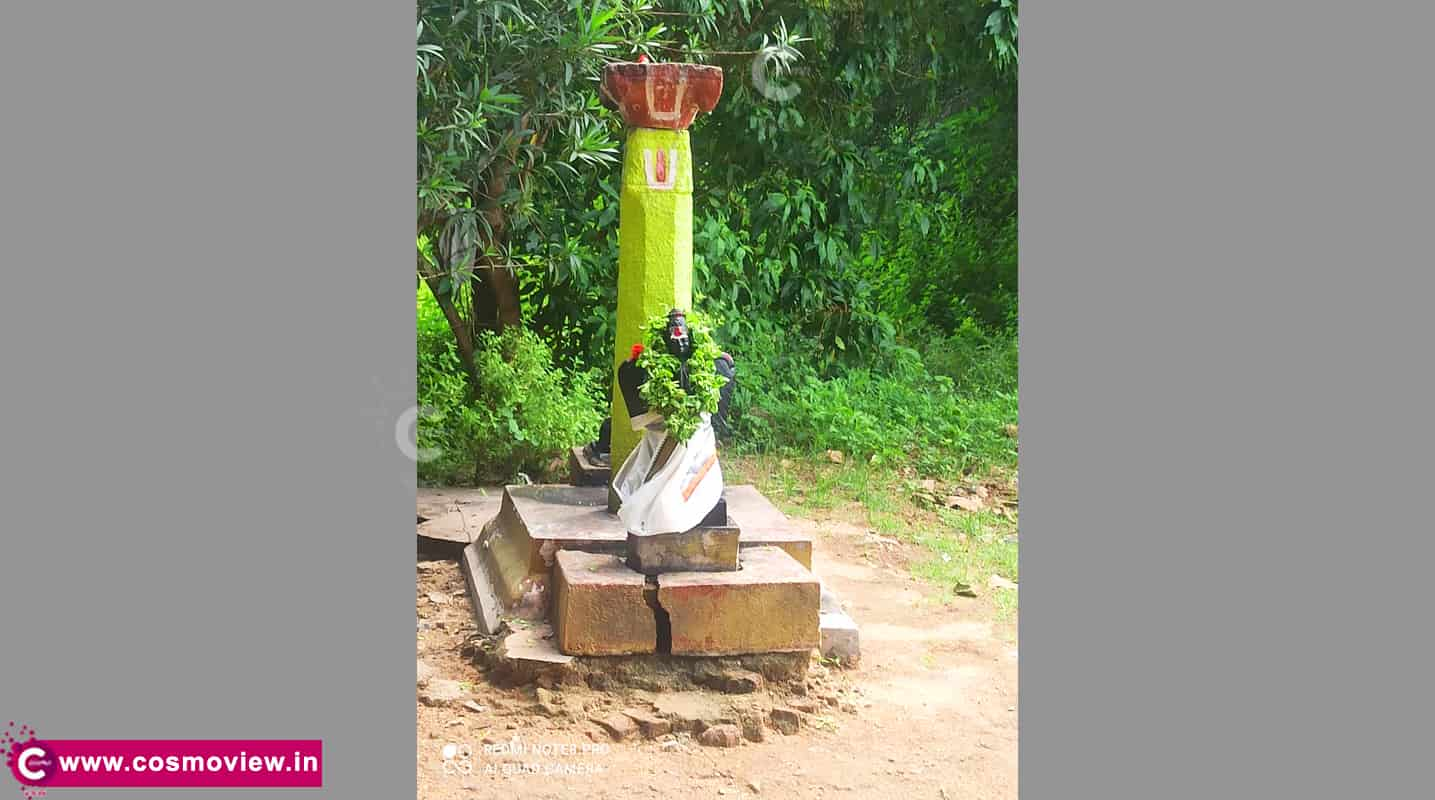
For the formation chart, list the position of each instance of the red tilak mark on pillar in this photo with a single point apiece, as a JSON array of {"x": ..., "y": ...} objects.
[{"x": 661, "y": 173}]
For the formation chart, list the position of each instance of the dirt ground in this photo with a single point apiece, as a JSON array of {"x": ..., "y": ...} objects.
[{"x": 930, "y": 711}]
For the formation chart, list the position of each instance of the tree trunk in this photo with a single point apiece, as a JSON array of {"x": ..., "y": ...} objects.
[
  {"x": 505, "y": 292},
  {"x": 500, "y": 278},
  {"x": 456, "y": 324}
]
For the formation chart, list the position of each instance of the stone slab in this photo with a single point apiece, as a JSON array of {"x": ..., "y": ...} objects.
[
  {"x": 697, "y": 550},
  {"x": 840, "y": 638},
  {"x": 839, "y": 634},
  {"x": 480, "y": 588},
  {"x": 478, "y": 504},
  {"x": 692, "y": 712},
  {"x": 534, "y": 645},
  {"x": 651, "y": 725},
  {"x": 771, "y": 604},
  {"x": 455, "y": 516},
  {"x": 583, "y": 472},
  {"x": 533, "y": 523},
  {"x": 763, "y": 525},
  {"x": 599, "y": 608},
  {"x": 450, "y": 526}
]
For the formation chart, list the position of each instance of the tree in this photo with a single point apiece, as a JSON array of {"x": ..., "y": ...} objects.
[
  {"x": 516, "y": 156},
  {"x": 507, "y": 110}
]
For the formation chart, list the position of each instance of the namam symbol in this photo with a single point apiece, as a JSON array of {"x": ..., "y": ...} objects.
[
  {"x": 660, "y": 168},
  {"x": 676, "y": 111}
]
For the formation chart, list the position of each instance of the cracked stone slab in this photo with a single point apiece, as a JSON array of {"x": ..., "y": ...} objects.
[
  {"x": 771, "y": 604},
  {"x": 534, "y": 645}
]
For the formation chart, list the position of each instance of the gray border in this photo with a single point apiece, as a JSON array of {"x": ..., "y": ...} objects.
[
  {"x": 1225, "y": 399},
  {"x": 207, "y": 325}
]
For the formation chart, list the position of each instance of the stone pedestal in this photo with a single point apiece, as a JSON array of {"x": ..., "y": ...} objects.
[{"x": 512, "y": 560}]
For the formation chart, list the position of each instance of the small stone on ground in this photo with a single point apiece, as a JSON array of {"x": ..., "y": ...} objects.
[
  {"x": 651, "y": 726},
  {"x": 720, "y": 736},
  {"x": 786, "y": 720},
  {"x": 806, "y": 705},
  {"x": 440, "y": 692},
  {"x": 618, "y": 726},
  {"x": 737, "y": 681},
  {"x": 752, "y": 727}
]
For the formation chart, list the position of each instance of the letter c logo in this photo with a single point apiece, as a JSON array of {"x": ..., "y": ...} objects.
[{"x": 22, "y": 763}]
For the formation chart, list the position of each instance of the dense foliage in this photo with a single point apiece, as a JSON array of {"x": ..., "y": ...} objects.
[
  {"x": 521, "y": 413},
  {"x": 681, "y": 409},
  {"x": 854, "y": 215}
]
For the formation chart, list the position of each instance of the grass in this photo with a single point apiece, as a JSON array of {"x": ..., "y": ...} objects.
[
  {"x": 953, "y": 548},
  {"x": 969, "y": 549}
]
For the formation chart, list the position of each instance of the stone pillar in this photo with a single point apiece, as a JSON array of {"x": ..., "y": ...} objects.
[
  {"x": 655, "y": 213},
  {"x": 655, "y": 249}
]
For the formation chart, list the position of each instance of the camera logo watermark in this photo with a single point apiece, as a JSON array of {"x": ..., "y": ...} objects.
[
  {"x": 406, "y": 432},
  {"x": 514, "y": 756},
  {"x": 457, "y": 759},
  {"x": 772, "y": 54},
  {"x": 775, "y": 59}
]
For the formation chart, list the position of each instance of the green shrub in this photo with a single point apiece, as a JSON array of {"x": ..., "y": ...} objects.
[
  {"x": 523, "y": 412},
  {"x": 977, "y": 361},
  {"x": 893, "y": 409},
  {"x": 945, "y": 251}
]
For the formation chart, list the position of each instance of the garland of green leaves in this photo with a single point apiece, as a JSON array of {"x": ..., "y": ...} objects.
[{"x": 681, "y": 410}]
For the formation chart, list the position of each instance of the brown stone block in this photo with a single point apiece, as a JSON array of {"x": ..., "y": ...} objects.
[
  {"x": 720, "y": 736},
  {"x": 598, "y": 606},
  {"x": 696, "y": 550},
  {"x": 769, "y": 605}
]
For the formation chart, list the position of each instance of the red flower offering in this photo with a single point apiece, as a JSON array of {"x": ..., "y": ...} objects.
[{"x": 637, "y": 351}]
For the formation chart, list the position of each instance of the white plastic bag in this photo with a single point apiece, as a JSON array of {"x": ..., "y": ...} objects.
[{"x": 680, "y": 494}]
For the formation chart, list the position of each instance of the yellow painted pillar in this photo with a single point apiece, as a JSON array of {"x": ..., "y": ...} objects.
[
  {"x": 655, "y": 210},
  {"x": 655, "y": 250}
]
